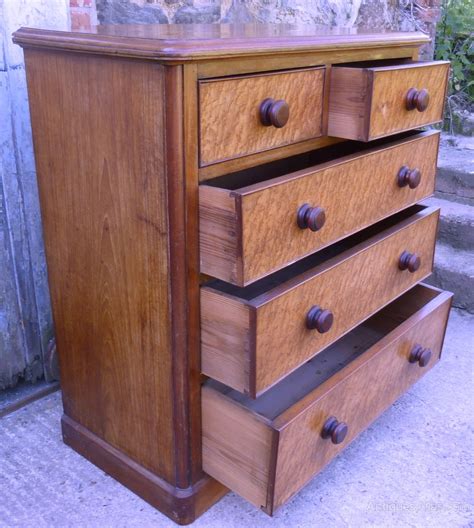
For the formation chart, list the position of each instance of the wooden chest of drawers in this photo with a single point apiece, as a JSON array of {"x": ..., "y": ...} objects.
[{"x": 235, "y": 246}]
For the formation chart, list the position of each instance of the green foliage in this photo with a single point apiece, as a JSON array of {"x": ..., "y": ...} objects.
[{"x": 454, "y": 42}]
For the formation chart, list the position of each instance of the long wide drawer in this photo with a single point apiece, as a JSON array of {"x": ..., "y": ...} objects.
[
  {"x": 368, "y": 101},
  {"x": 250, "y": 229},
  {"x": 251, "y": 337},
  {"x": 243, "y": 115},
  {"x": 267, "y": 449}
]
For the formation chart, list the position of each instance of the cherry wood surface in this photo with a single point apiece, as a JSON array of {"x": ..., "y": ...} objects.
[
  {"x": 354, "y": 191},
  {"x": 367, "y": 102},
  {"x": 267, "y": 449},
  {"x": 262, "y": 328},
  {"x": 109, "y": 146},
  {"x": 117, "y": 125},
  {"x": 230, "y": 122},
  {"x": 106, "y": 245},
  {"x": 184, "y": 42}
]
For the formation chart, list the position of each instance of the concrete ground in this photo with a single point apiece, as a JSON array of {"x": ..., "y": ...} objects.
[{"x": 412, "y": 468}]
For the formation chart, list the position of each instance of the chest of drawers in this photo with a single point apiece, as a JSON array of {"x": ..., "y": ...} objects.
[{"x": 235, "y": 246}]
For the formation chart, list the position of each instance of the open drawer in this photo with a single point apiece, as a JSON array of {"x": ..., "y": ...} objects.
[
  {"x": 252, "y": 337},
  {"x": 254, "y": 222},
  {"x": 267, "y": 449},
  {"x": 371, "y": 100}
]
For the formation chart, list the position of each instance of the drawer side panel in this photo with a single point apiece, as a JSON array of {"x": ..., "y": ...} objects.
[
  {"x": 236, "y": 447},
  {"x": 225, "y": 339},
  {"x": 219, "y": 234},
  {"x": 349, "y": 103}
]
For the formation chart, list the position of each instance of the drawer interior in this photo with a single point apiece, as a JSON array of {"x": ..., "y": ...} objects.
[
  {"x": 384, "y": 63},
  {"x": 275, "y": 169},
  {"x": 319, "y": 369},
  {"x": 294, "y": 270}
]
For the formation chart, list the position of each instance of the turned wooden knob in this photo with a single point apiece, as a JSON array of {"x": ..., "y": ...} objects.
[
  {"x": 420, "y": 355},
  {"x": 335, "y": 430},
  {"x": 410, "y": 177},
  {"x": 417, "y": 99},
  {"x": 274, "y": 113},
  {"x": 311, "y": 217},
  {"x": 319, "y": 319},
  {"x": 409, "y": 261}
]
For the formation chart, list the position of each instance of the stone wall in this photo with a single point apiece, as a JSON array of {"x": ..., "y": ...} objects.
[
  {"x": 405, "y": 15},
  {"x": 344, "y": 13}
]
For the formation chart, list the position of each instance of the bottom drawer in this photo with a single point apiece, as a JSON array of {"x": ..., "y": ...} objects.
[{"x": 267, "y": 449}]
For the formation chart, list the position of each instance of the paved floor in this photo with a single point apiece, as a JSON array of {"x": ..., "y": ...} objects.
[{"x": 410, "y": 469}]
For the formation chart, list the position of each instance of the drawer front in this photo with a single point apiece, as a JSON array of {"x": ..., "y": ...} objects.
[
  {"x": 352, "y": 193},
  {"x": 368, "y": 103},
  {"x": 232, "y": 122},
  {"x": 268, "y": 460},
  {"x": 245, "y": 343}
]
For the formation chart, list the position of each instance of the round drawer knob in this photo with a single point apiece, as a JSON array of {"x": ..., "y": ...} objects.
[
  {"x": 420, "y": 355},
  {"x": 409, "y": 261},
  {"x": 274, "y": 113},
  {"x": 335, "y": 430},
  {"x": 410, "y": 177},
  {"x": 417, "y": 99},
  {"x": 319, "y": 319},
  {"x": 311, "y": 217}
]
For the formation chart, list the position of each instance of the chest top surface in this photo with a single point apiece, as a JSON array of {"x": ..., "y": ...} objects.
[{"x": 188, "y": 42}]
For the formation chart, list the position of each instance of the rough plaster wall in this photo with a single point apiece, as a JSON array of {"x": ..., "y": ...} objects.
[
  {"x": 341, "y": 13},
  {"x": 25, "y": 314}
]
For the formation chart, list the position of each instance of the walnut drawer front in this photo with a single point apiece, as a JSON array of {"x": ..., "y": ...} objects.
[
  {"x": 368, "y": 102},
  {"x": 233, "y": 123},
  {"x": 247, "y": 232},
  {"x": 267, "y": 449},
  {"x": 252, "y": 337}
]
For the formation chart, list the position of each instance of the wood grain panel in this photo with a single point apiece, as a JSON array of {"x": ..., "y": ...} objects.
[
  {"x": 225, "y": 326},
  {"x": 356, "y": 397},
  {"x": 349, "y": 103},
  {"x": 240, "y": 434},
  {"x": 221, "y": 68},
  {"x": 229, "y": 240},
  {"x": 220, "y": 234},
  {"x": 99, "y": 149},
  {"x": 388, "y": 112},
  {"x": 230, "y": 124},
  {"x": 236, "y": 446},
  {"x": 353, "y": 285},
  {"x": 369, "y": 102}
]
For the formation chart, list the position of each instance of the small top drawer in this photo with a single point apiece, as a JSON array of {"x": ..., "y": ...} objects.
[
  {"x": 371, "y": 101},
  {"x": 248, "y": 114}
]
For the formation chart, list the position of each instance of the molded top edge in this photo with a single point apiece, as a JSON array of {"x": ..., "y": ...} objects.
[{"x": 183, "y": 42}]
